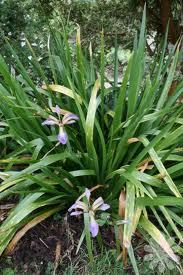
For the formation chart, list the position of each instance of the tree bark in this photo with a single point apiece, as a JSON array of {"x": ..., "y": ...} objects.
[
  {"x": 166, "y": 16},
  {"x": 160, "y": 18}
]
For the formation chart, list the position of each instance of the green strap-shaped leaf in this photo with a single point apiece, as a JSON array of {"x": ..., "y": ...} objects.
[
  {"x": 160, "y": 200},
  {"x": 132, "y": 259},
  {"x": 80, "y": 173},
  {"x": 161, "y": 168},
  {"x": 34, "y": 167},
  {"x": 90, "y": 122},
  {"x": 169, "y": 80},
  {"x": 121, "y": 98}
]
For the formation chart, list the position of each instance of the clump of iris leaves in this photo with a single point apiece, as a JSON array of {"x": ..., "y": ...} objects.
[{"x": 133, "y": 144}]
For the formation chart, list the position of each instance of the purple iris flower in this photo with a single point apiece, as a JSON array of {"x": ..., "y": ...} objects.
[
  {"x": 62, "y": 136},
  {"x": 57, "y": 110},
  {"x": 80, "y": 207},
  {"x": 66, "y": 119}
]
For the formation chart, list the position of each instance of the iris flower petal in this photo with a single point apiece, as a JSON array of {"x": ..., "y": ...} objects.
[
  {"x": 76, "y": 213},
  {"x": 97, "y": 203},
  {"x": 82, "y": 205},
  {"x": 62, "y": 136},
  {"x": 73, "y": 207},
  {"x": 94, "y": 227},
  {"x": 57, "y": 110},
  {"x": 69, "y": 118},
  {"x": 73, "y": 116},
  {"x": 104, "y": 207},
  {"x": 49, "y": 121},
  {"x": 87, "y": 193},
  {"x": 69, "y": 122}
]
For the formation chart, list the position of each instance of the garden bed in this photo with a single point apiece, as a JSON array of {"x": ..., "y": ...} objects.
[{"x": 37, "y": 252}]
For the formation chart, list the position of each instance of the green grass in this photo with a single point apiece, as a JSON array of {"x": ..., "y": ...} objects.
[{"x": 105, "y": 263}]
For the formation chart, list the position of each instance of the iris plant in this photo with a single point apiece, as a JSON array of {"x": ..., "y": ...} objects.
[
  {"x": 66, "y": 119},
  {"x": 80, "y": 207}
]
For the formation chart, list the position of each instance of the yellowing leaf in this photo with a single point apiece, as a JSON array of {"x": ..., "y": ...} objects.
[
  {"x": 63, "y": 90},
  {"x": 122, "y": 204},
  {"x": 154, "y": 232}
]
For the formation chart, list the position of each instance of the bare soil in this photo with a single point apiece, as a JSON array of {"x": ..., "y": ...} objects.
[{"x": 37, "y": 248}]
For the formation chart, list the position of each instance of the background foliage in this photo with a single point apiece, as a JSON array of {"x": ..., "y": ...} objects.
[{"x": 31, "y": 18}]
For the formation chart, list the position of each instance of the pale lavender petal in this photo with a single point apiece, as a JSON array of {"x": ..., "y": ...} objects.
[
  {"x": 104, "y": 207},
  {"x": 62, "y": 136},
  {"x": 49, "y": 121},
  {"x": 87, "y": 193},
  {"x": 76, "y": 213},
  {"x": 57, "y": 110},
  {"x": 73, "y": 116},
  {"x": 82, "y": 205},
  {"x": 69, "y": 118},
  {"x": 79, "y": 205},
  {"x": 94, "y": 228},
  {"x": 97, "y": 203},
  {"x": 69, "y": 122},
  {"x": 74, "y": 206}
]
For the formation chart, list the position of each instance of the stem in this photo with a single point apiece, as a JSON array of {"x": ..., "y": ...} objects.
[
  {"x": 102, "y": 68},
  {"x": 88, "y": 237}
]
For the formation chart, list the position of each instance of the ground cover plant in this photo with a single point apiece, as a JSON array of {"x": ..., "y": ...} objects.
[{"x": 71, "y": 140}]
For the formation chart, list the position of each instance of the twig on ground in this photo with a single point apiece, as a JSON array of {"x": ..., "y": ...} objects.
[{"x": 57, "y": 256}]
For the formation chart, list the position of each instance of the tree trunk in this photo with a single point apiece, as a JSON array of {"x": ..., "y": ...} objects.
[{"x": 166, "y": 15}]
